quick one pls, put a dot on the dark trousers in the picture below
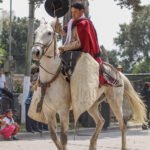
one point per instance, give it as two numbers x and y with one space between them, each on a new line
105 111
9 96
6 92
42 126
32 125
148 110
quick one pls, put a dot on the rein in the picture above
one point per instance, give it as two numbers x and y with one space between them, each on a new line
48 84
44 50
44 86
44 47
45 70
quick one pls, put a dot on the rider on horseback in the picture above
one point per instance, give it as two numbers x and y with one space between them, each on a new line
81 35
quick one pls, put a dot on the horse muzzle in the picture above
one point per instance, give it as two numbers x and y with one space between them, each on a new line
36 53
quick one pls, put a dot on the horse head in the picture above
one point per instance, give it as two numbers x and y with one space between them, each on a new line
44 40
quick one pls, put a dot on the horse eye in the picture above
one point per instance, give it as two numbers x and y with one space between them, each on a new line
34 34
49 33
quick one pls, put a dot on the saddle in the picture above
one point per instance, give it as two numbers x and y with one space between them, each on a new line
69 60
110 74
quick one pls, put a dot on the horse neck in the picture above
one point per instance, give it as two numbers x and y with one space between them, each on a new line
49 64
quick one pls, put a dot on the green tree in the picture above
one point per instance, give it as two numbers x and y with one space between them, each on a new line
2 55
141 67
134 40
135 4
112 56
19 40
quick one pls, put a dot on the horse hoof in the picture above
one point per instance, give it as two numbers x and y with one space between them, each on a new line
92 148
65 148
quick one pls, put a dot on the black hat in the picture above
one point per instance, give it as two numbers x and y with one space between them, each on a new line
57 8
8 111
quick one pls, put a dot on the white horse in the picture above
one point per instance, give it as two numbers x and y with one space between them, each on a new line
58 96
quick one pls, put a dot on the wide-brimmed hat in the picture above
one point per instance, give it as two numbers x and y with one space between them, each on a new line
119 67
147 83
57 8
8 111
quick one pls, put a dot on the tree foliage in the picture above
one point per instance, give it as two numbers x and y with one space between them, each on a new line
112 56
135 4
142 67
2 55
134 40
19 40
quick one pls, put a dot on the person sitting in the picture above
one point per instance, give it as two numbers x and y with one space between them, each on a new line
81 36
9 128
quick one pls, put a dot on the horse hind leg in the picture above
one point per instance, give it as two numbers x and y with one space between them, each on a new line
52 124
115 101
122 125
99 121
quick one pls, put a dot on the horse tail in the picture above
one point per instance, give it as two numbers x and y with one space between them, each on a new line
134 100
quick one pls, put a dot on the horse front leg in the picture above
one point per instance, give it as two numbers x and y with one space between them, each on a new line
52 124
64 118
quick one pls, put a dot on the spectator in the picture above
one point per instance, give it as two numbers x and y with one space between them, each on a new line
120 68
9 128
146 97
34 73
9 82
31 125
4 90
2 80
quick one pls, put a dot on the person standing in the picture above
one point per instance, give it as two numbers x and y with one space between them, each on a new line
146 97
32 125
2 80
120 68
5 91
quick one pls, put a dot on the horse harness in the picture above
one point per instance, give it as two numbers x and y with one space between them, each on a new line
44 87
66 67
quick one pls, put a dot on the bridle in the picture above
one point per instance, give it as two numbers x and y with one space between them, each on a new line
45 48
44 86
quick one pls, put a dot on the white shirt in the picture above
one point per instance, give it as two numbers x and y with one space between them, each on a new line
2 81
7 121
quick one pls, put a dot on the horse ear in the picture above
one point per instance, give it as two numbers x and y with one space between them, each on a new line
53 23
43 21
